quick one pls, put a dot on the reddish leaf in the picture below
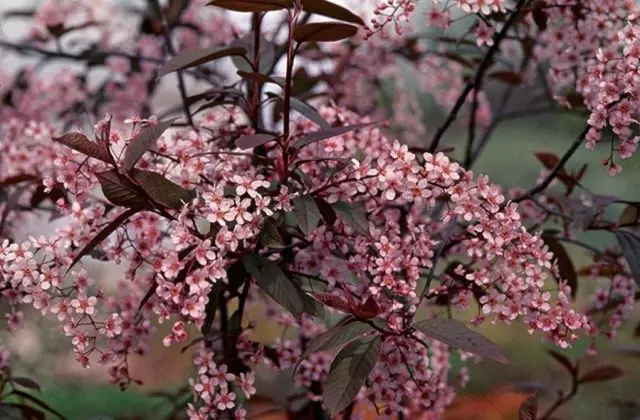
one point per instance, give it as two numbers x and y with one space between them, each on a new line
306 213
259 77
120 191
601 374
332 301
82 144
323 32
540 16
549 160
195 57
102 235
456 334
253 140
143 141
565 265
529 408
369 309
563 360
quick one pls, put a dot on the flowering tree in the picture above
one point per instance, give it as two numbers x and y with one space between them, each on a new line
285 185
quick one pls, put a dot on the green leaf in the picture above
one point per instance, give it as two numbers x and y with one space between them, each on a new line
143 141
332 10
353 216
195 57
630 244
253 140
102 235
162 190
275 283
251 5
565 266
323 32
82 144
312 307
120 191
306 213
456 334
328 133
349 372
269 235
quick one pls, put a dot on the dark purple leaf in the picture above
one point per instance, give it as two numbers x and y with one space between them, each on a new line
323 32
353 216
38 402
143 141
26 383
529 408
196 57
120 191
349 372
102 235
163 191
601 374
456 334
82 144
270 277
630 244
563 360
306 213
327 212
565 266
332 10
253 140
251 5
328 133
269 235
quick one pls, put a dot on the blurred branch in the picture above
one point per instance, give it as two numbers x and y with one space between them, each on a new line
475 82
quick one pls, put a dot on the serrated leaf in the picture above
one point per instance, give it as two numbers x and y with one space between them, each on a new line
26 383
251 5
601 374
529 408
306 213
143 141
353 216
323 32
275 283
253 140
269 235
456 334
328 133
120 191
102 235
81 143
332 10
195 57
565 266
163 191
337 336
630 244
349 372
